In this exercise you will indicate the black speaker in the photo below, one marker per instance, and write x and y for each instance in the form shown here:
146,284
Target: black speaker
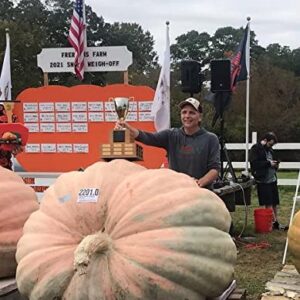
191,79
220,75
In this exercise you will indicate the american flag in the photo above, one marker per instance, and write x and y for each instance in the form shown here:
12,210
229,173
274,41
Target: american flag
77,36
239,63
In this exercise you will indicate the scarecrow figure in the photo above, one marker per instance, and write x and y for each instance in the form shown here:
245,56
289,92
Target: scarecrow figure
13,138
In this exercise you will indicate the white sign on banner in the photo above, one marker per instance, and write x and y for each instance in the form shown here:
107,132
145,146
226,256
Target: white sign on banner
79,117
97,59
33,148
63,127
47,127
95,106
111,117
62,106
109,106
79,127
96,116
47,117
30,107
132,105
32,127
46,106
145,116
79,106
48,148
80,148
31,117
145,105
64,148
63,117
132,116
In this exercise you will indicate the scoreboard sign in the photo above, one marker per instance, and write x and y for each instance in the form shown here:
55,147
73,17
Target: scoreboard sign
67,126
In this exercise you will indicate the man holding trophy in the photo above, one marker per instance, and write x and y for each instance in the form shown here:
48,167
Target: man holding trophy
190,149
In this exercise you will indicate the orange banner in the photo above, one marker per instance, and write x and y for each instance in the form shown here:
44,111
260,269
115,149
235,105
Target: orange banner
68,125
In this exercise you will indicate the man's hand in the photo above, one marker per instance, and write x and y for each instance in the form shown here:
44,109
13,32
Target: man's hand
208,178
274,163
200,182
122,124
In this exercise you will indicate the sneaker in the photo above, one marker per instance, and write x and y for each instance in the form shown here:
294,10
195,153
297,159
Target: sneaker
278,226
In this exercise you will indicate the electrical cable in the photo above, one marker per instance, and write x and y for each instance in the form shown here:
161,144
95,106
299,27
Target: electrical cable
246,210
250,246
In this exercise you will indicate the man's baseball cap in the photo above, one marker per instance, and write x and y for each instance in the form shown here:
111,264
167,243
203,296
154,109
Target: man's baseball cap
191,101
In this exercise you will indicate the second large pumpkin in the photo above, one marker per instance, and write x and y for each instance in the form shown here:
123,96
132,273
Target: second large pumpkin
17,202
294,240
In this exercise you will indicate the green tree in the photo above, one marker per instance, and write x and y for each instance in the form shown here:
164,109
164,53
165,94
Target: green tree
140,43
280,56
295,61
6,10
191,46
274,103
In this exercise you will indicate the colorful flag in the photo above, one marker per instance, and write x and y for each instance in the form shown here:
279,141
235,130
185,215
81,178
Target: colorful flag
240,61
161,103
5,78
77,37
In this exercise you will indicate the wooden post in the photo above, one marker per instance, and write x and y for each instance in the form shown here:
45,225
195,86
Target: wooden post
46,79
126,77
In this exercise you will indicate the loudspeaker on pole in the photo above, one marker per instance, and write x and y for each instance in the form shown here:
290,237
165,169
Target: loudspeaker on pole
191,79
220,75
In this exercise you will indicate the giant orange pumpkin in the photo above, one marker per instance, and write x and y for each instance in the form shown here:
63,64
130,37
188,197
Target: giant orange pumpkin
17,202
120,231
294,240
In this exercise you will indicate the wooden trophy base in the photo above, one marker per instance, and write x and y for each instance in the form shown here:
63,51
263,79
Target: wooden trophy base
122,145
129,151
121,136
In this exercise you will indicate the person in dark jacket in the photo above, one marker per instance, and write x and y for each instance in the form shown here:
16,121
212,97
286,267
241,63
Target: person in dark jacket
190,149
264,167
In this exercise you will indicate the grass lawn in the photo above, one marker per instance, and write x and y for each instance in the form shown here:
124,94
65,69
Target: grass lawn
287,174
255,266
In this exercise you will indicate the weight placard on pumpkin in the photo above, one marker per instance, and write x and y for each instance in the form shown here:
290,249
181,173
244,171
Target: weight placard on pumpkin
88,195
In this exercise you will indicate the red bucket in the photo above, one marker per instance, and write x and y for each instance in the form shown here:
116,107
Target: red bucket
263,218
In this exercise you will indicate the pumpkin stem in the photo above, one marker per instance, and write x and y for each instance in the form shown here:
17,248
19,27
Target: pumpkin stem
98,243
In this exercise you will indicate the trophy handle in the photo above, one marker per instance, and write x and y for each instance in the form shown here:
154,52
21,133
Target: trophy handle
131,100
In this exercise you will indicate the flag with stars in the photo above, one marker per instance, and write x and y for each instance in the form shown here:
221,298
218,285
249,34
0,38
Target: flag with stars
77,37
240,61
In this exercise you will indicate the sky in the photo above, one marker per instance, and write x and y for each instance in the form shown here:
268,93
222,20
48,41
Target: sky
273,21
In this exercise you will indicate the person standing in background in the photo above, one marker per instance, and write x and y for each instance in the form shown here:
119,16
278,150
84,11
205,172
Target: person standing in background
263,168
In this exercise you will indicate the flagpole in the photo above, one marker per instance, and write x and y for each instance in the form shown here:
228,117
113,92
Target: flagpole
247,95
85,26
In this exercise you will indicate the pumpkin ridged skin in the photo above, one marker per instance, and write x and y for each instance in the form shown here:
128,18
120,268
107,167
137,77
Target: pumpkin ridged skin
153,234
17,202
294,240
